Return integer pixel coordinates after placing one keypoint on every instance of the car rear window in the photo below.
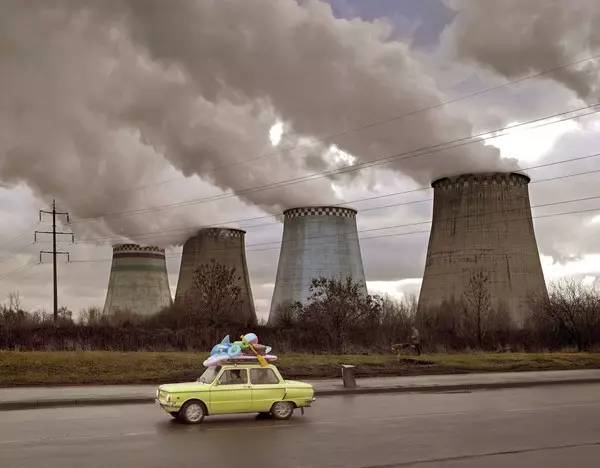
(263, 376)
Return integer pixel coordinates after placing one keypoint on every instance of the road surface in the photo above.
(536, 427)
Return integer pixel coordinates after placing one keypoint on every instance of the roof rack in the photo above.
(247, 360)
(238, 361)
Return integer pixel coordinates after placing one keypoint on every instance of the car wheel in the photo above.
(282, 410)
(192, 412)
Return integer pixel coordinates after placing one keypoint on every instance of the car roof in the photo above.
(251, 365)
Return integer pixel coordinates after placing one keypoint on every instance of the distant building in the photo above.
(138, 280)
(227, 247)
(317, 241)
(482, 225)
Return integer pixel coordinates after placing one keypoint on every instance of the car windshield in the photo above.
(210, 374)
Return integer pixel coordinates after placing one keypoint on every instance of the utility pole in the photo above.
(54, 251)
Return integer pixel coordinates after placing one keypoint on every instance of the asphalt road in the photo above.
(536, 427)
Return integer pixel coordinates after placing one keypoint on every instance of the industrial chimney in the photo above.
(225, 246)
(138, 280)
(317, 241)
(482, 227)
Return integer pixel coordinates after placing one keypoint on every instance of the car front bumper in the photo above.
(168, 407)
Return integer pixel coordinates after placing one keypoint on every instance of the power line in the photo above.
(543, 121)
(26, 231)
(477, 215)
(94, 240)
(362, 166)
(424, 231)
(403, 225)
(33, 274)
(28, 266)
(464, 141)
(377, 123)
(14, 254)
(13, 272)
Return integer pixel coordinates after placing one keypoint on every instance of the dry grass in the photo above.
(101, 367)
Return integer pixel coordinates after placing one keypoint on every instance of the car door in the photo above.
(231, 393)
(266, 389)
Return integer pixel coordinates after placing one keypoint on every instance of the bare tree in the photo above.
(92, 315)
(12, 313)
(214, 297)
(125, 317)
(572, 312)
(336, 306)
(65, 316)
(477, 304)
(14, 302)
(397, 319)
(441, 325)
(287, 314)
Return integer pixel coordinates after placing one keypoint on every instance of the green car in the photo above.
(234, 388)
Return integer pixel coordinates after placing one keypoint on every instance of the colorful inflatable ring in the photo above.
(234, 351)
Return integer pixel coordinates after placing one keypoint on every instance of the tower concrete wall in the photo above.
(317, 241)
(138, 280)
(227, 247)
(482, 224)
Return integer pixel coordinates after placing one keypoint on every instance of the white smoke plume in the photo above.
(519, 37)
(101, 96)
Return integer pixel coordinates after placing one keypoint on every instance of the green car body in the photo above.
(233, 389)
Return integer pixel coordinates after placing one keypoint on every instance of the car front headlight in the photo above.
(157, 393)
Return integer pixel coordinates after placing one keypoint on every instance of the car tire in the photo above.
(192, 412)
(282, 410)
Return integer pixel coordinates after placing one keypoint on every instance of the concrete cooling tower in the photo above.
(227, 247)
(317, 241)
(138, 280)
(482, 224)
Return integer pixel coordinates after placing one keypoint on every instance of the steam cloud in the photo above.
(516, 37)
(98, 96)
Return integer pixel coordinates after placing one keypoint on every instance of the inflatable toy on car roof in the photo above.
(246, 349)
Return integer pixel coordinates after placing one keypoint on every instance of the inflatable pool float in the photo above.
(247, 349)
(223, 358)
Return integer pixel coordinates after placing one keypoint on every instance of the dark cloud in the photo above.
(516, 38)
(101, 97)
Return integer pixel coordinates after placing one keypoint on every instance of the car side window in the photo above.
(263, 377)
(233, 377)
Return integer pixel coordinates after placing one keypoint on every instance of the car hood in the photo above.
(184, 387)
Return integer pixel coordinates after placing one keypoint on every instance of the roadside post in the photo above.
(348, 376)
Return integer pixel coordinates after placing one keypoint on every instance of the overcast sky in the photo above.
(123, 111)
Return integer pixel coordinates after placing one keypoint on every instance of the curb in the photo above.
(113, 401)
(40, 404)
(454, 387)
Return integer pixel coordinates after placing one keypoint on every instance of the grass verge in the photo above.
(102, 367)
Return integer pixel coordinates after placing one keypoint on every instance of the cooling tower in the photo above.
(482, 224)
(317, 241)
(138, 280)
(227, 247)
